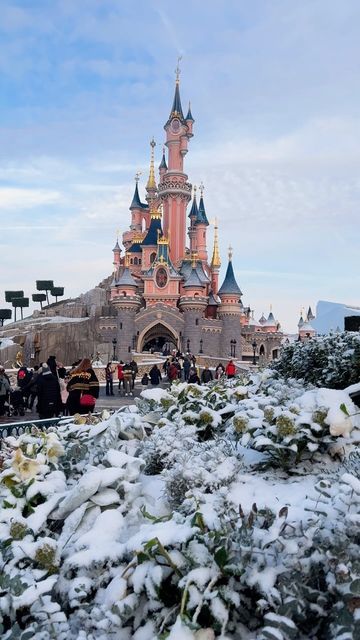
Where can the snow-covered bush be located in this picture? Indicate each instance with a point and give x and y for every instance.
(172, 519)
(330, 361)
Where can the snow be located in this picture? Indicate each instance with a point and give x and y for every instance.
(53, 320)
(6, 342)
(156, 394)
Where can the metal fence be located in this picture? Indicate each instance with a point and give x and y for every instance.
(17, 428)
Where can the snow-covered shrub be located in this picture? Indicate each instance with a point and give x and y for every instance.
(331, 361)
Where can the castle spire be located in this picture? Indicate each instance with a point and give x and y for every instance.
(151, 183)
(201, 217)
(215, 260)
(230, 286)
(176, 109)
(163, 164)
(136, 202)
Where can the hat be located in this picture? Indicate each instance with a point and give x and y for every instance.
(45, 367)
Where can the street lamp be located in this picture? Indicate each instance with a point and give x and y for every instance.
(201, 345)
(254, 345)
(114, 342)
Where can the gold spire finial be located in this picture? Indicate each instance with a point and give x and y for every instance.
(178, 70)
(216, 261)
(151, 183)
(230, 253)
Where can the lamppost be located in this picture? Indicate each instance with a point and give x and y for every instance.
(254, 345)
(188, 345)
(201, 345)
(232, 347)
(114, 343)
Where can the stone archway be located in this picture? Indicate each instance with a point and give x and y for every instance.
(157, 336)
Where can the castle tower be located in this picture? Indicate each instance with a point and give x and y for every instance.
(215, 261)
(201, 228)
(117, 255)
(139, 212)
(192, 232)
(174, 190)
(229, 312)
(124, 295)
(149, 244)
(193, 304)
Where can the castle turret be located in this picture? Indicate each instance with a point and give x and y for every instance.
(192, 232)
(139, 212)
(117, 255)
(215, 261)
(193, 304)
(189, 121)
(124, 296)
(149, 244)
(310, 316)
(163, 166)
(201, 228)
(229, 312)
(174, 190)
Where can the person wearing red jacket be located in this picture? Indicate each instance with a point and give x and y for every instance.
(120, 375)
(230, 369)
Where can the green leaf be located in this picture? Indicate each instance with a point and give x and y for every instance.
(221, 557)
(355, 586)
(344, 409)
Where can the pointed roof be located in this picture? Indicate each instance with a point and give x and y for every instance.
(154, 231)
(163, 164)
(189, 114)
(301, 321)
(135, 248)
(262, 320)
(230, 286)
(310, 316)
(193, 279)
(271, 322)
(126, 279)
(307, 327)
(176, 109)
(213, 301)
(151, 183)
(194, 207)
(136, 202)
(117, 246)
(216, 260)
(201, 217)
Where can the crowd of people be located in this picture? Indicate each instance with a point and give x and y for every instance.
(55, 390)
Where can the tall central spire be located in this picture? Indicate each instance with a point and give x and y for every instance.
(176, 109)
(215, 260)
(151, 183)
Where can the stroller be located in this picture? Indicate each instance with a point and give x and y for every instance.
(16, 403)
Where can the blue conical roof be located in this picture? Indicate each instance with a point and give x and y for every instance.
(194, 211)
(135, 248)
(126, 279)
(151, 237)
(117, 246)
(189, 115)
(163, 164)
(201, 217)
(230, 285)
(136, 202)
(176, 109)
(193, 279)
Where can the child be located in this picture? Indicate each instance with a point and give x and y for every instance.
(145, 379)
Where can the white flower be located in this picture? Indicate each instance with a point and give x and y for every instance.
(54, 448)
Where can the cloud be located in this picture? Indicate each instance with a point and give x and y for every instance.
(20, 198)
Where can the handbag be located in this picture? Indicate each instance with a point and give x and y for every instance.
(87, 400)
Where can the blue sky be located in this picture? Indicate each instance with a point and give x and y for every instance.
(274, 88)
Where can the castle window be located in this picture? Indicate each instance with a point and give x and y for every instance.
(124, 294)
(139, 260)
(204, 235)
(152, 257)
(135, 260)
(131, 261)
(120, 325)
(197, 320)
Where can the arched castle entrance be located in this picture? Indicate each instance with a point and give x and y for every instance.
(157, 337)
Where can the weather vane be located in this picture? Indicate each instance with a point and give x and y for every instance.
(178, 70)
(137, 176)
(230, 252)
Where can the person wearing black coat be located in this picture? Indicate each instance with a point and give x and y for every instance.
(193, 377)
(48, 390)
(206, 375)
(155, 375)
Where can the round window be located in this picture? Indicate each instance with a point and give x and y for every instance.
(161, 277)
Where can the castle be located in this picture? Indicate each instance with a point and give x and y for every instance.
(166, 286)
(164, 292)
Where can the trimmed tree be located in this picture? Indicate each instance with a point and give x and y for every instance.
(5, 314)
(39, 297)
(9, 295)
(45, 285)
(20, 303)
(57, 292)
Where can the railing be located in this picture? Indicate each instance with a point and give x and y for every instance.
(17, 428)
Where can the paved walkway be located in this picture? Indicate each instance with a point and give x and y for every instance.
(104, 402)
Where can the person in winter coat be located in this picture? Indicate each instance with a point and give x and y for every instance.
(128, 378)
(172, 372)
(4, 390)
(219, 371)
(109, 376)
(206, 375)
(135, 370)
(186, 367)
(193, 377)
(82, 382)
(31, 388)
(23, 377)
(48, 390)
(155, 375)
(145, 379)
(52, 364)
(120, 374)
(230, 369)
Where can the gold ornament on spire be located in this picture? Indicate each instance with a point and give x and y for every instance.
(215, 260)
(151, 183)
(155, 212)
